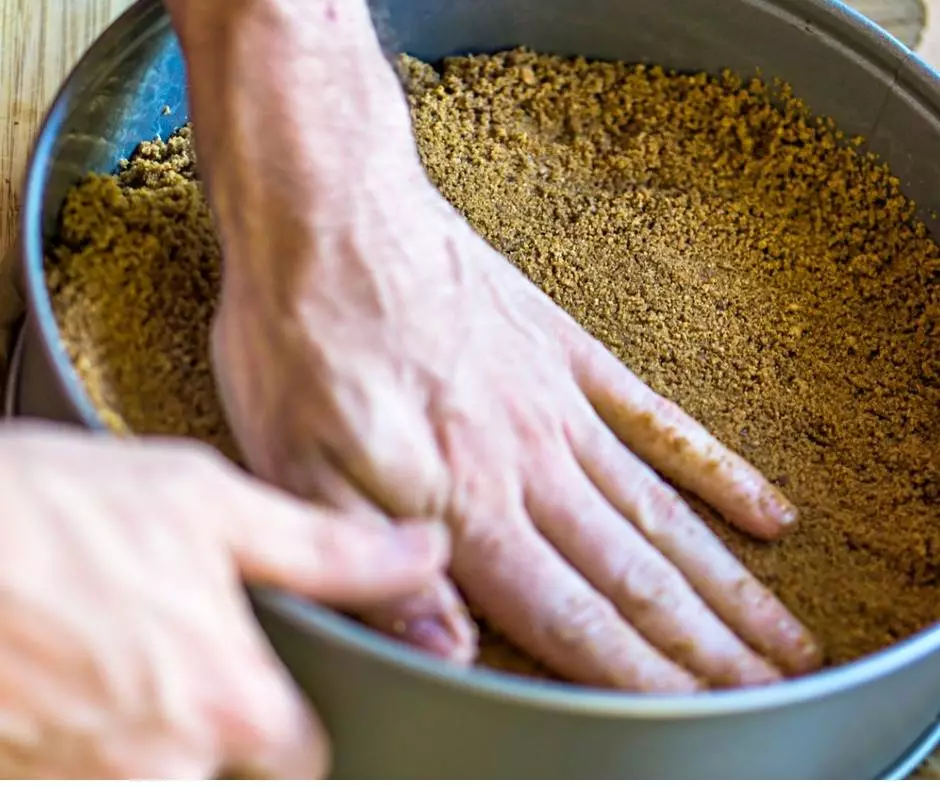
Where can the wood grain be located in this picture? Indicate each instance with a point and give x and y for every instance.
(40, 40)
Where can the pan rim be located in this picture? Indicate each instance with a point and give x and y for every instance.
(915, 75)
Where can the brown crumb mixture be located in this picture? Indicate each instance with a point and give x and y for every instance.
(134, 282)
(738, 255)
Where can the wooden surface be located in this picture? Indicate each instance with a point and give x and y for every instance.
(40, 40)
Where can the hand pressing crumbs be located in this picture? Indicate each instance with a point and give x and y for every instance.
(740, 256)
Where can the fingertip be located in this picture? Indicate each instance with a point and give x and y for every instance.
(437, 637)
(273, 733)
(677, 682)
(806, 656)
(434, 620)
(758, 674)
(778, 512)
(763, 511)
(788, 643)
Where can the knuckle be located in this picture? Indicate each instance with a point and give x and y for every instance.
(584, 618)
(538, 427)
(648, 588)
(666, 410)
(666, 504)
(477, 535)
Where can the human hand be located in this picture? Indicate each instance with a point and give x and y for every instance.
(128, 648)
(373, 351)
(418, 369)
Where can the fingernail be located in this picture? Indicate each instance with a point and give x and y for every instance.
(432, 635)
(780, 510)
(810, 655)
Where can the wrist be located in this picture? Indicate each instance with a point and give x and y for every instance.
(316, 29)
(300, 123)
(282, 254)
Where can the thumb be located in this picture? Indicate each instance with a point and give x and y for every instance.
(435, 620)
(332, 557)
(267, 729)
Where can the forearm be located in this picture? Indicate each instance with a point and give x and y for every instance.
(294, 106)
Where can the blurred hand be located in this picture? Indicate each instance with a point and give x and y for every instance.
(127, 646)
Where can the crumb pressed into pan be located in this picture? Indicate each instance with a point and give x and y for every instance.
(736, 253)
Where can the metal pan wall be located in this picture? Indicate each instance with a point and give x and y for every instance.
(395, 713)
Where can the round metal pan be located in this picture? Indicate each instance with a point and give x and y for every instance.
(395, 713)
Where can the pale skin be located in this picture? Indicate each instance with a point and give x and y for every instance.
(128, 649)
(379, 359)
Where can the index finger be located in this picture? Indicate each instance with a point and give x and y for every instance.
(336, 558)
(667, 438)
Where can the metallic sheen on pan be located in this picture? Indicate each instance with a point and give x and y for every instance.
(395, 713)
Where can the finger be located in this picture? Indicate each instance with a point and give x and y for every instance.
(338, 560)
(393, 454)
(526, 590)
(671, 441)
(267, 729)
(649, 591)
(319, 480)
(674, 529)
(434, 619)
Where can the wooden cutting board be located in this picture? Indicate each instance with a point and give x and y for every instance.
(40, 40)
